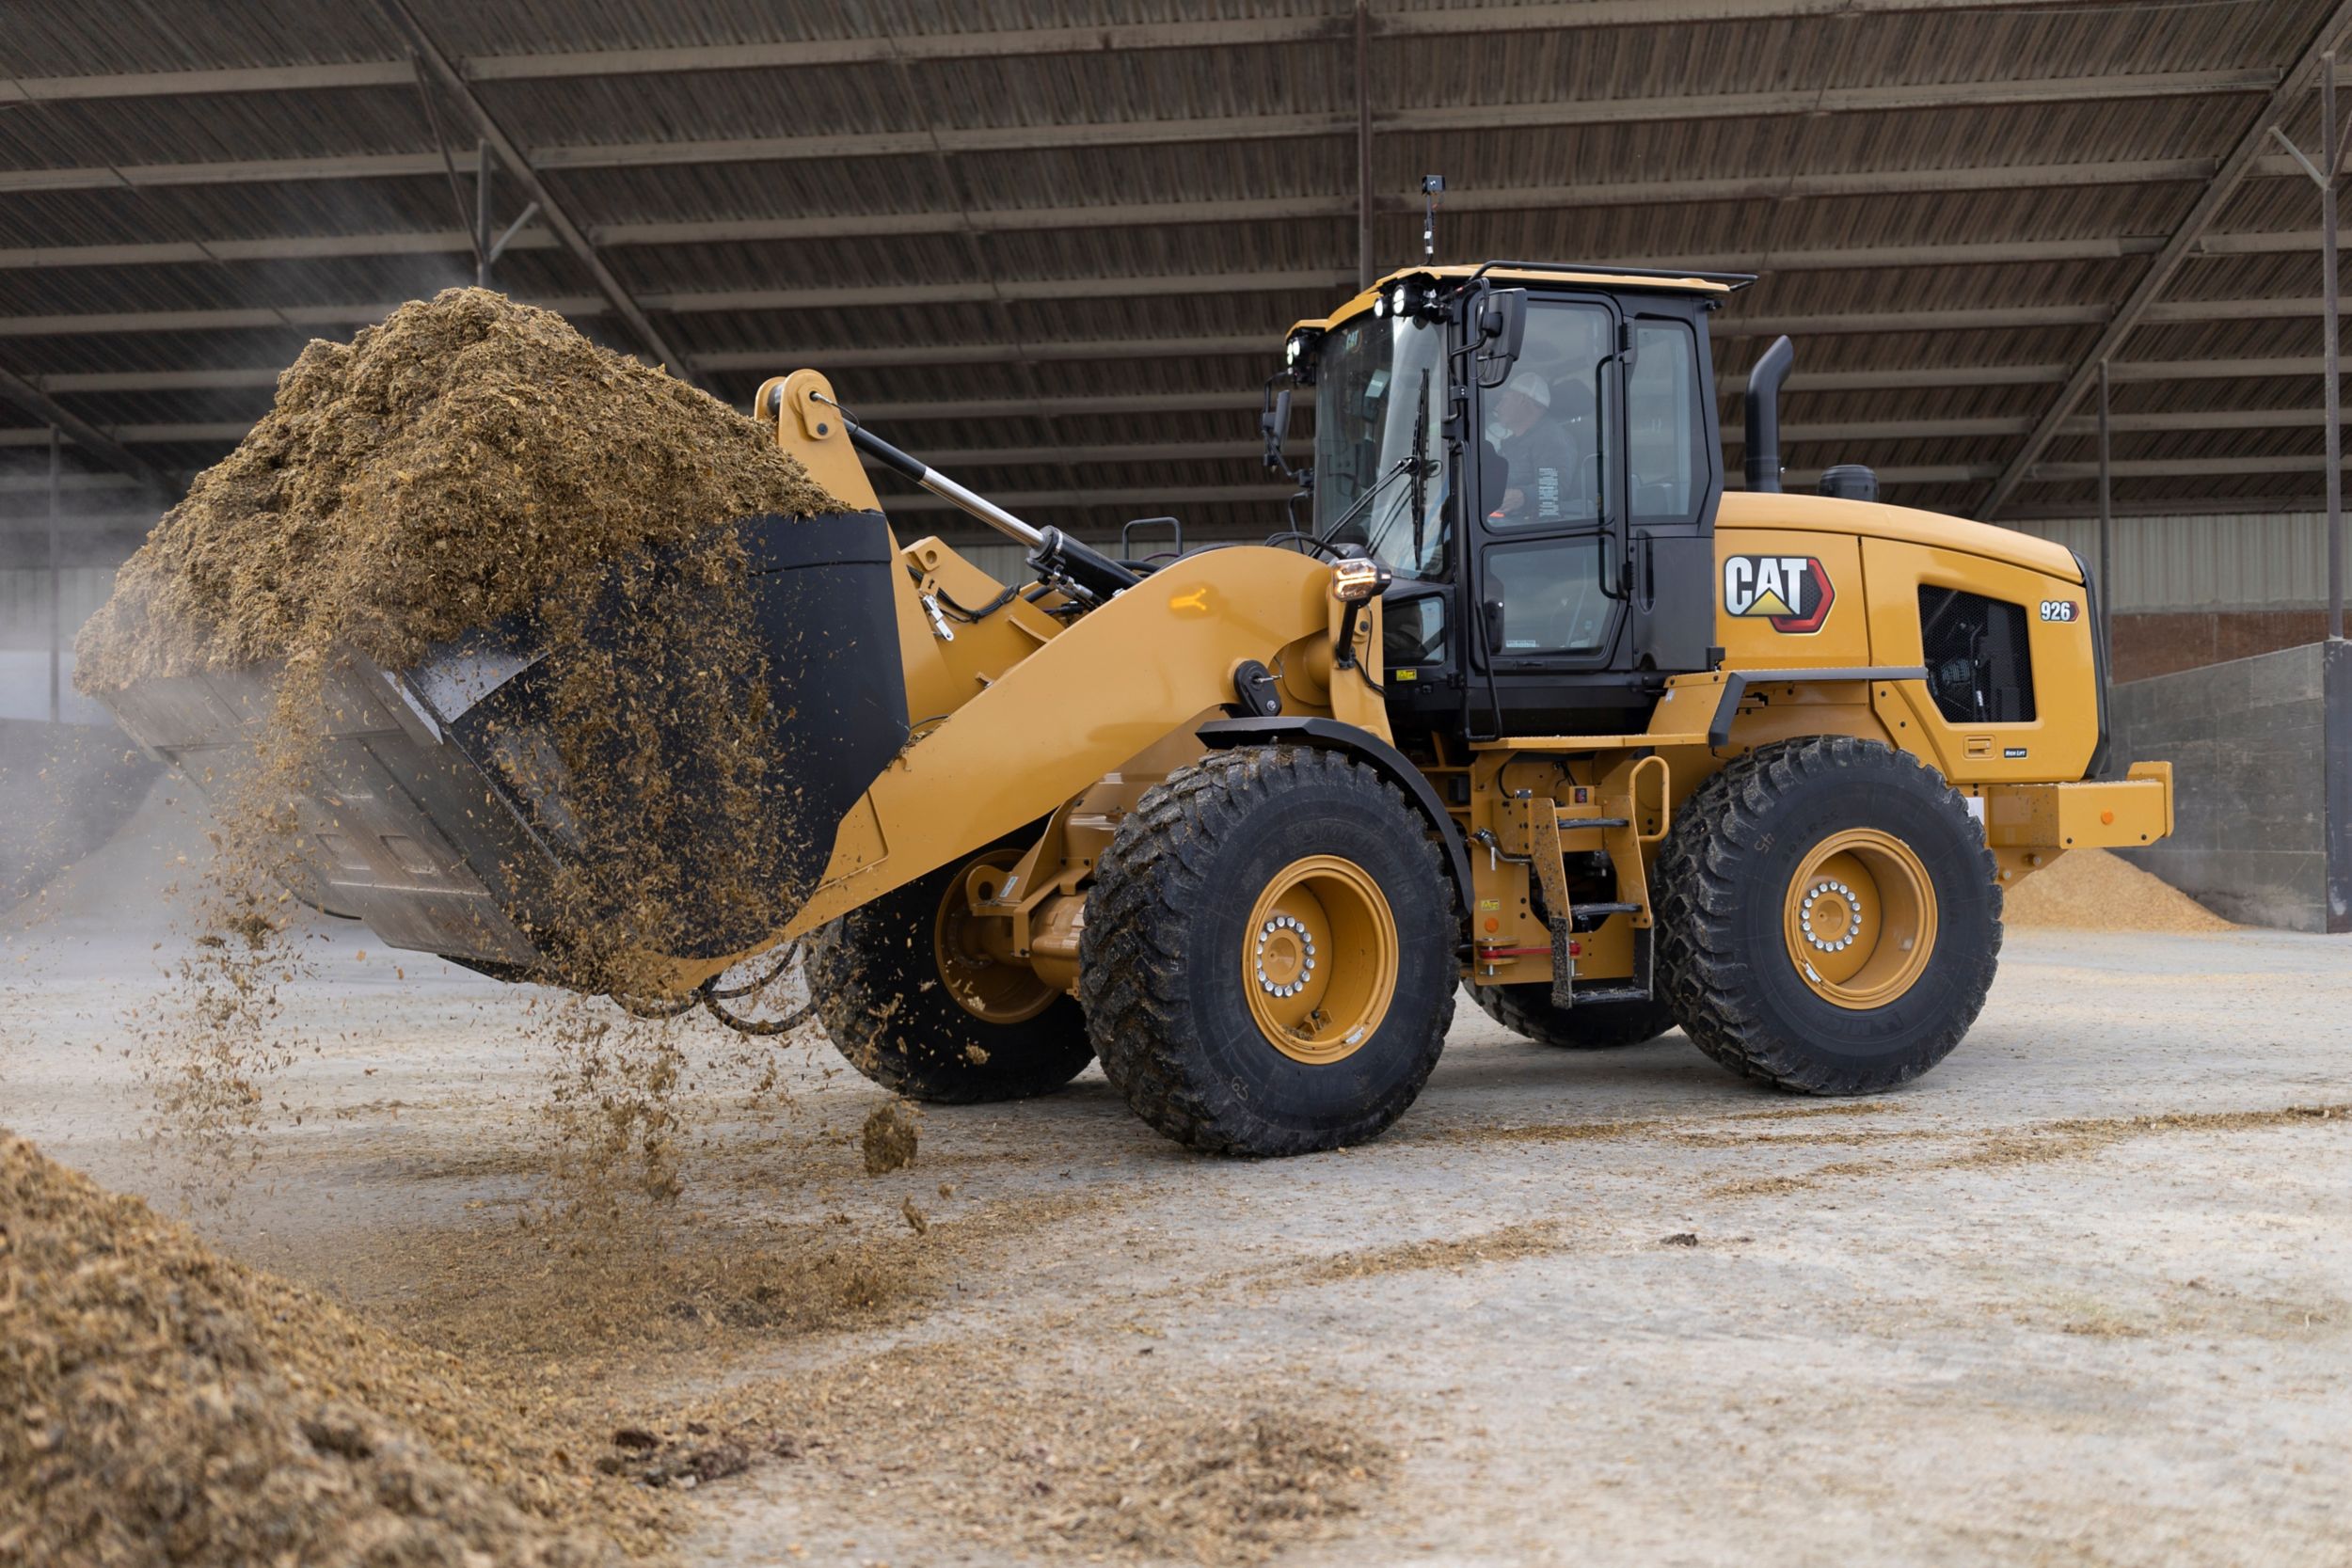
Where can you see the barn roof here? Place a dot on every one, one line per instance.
(1053, 246)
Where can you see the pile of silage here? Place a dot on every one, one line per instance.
(472, 462)
(468, 459)
(2095, 889)
(162, 1403)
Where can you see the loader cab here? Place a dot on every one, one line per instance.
(1534, 451)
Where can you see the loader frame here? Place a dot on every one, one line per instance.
(1035, 720)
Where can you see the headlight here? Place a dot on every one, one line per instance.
(1398, 299)
(1359, 578)
(1380, 305)
(1290, 352)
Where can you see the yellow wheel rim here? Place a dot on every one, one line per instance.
(988, 988)
(1860, 918)
(1319, 959)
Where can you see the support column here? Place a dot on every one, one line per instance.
(2107, 525)
(2327, 141)
(57, 618)
(1364, 273)
(486, 162)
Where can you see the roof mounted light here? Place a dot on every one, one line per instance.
(1400, 298)
(1300, 351)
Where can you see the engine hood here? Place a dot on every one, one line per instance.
(1746, 509)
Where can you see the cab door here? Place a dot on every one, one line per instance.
(1547, 477)
(1674, 484)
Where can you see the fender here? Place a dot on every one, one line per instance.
(1223, 734)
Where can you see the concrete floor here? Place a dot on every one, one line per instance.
(2083, 1295)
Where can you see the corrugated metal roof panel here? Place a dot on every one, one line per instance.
(943, 203)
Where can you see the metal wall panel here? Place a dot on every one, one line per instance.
(2256, 561)
(24, 602)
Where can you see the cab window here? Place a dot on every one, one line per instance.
(1665, 424)
(1550, 594)
(1544, 442)
(1380, 401)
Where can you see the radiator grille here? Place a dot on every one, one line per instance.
(1979, 665)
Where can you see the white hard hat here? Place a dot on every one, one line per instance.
(1529, 385)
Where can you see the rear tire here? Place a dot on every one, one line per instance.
(876, 978)
(1527, 1010)
(1827, 916)
(1268, 962)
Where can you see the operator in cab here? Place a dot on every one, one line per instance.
(1543, 432)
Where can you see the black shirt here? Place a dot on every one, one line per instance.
(1544, 462)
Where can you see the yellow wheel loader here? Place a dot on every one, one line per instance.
(1521, 699)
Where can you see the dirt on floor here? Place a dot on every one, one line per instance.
(2081, 1293)
(166, 1404)
(2090, 889)
(509, 1398)
(1003, 1457)
(518, 1295)
(888, 1138)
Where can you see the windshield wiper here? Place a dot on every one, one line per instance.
(1417, 463)
(1396, 469)
(1420, 469)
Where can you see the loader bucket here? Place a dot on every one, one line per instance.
(436, 808)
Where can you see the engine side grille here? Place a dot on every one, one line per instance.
(1979, 665)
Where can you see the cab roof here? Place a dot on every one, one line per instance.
(1589, 275)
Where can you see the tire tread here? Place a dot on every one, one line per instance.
(1136, 976)
(1706, 872)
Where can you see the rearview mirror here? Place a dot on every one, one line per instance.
(1273, 423)
(1501, 330)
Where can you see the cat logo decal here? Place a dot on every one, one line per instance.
(1792, 592)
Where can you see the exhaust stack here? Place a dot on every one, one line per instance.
(1763, 430)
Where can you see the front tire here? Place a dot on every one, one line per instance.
(1828, 919)
(1527, 1010)
(910, 1001)
(1268, 961)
